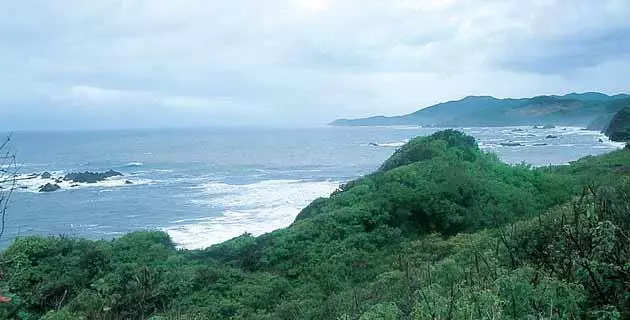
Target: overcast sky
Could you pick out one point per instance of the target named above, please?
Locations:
(148, 63)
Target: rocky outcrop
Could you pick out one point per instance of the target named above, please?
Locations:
(46, 175)
(551, 136)
(49, 187)
(91, 177)
(619, 127)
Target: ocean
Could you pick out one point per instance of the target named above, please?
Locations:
(204, 186)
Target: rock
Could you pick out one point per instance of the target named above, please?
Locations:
(600, 140)
(373, 144)
(49, 187)
(58, 180)
(540, 144)
(511, 144)
(46, 175)
(517, 130)
(91, 177)
(128, 182)
(618, 129)
(23, 187)
(74, 185)
(551, 136)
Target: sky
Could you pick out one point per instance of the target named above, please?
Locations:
(106, 64)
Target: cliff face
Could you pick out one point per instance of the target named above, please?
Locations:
(619, 128)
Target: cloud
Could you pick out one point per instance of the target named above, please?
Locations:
(298, 62)
(88, 96)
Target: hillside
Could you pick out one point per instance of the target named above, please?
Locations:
(570, 110)
(619, 127)
(441, 231)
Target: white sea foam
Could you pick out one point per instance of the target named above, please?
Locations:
(406, 127)
(255, 208)
(32, 182)
(397, 144)
(134, 164)
(612, 144)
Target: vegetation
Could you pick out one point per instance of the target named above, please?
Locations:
(440, 231)
(619, 127)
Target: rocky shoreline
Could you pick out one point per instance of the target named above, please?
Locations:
(75, 178)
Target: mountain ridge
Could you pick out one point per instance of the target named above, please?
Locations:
(576, 109)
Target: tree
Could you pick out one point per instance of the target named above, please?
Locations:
(8, 170)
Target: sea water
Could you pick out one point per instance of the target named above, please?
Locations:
(204, 186)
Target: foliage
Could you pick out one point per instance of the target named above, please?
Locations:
(442, 231)
(619, 127)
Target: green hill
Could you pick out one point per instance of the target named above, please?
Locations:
(441, 231)
(571, 110)
(619, 127)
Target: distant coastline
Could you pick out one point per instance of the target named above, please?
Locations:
(591, 110)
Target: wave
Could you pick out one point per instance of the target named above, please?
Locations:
(389, 144)
(134, 164)
(407, 127)
(33, 181)
(612, 144)
(254, 208)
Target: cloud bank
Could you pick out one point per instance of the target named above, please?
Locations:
(148, 63)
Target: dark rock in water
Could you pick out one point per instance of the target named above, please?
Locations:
(373, 144)
(600, 140)
(58, 180)
(91, 177)
(619, 127)
(128, 182)
(46, 175)
(511, 144)
(49, 187)
(517, 130)
(551, 136)
(74, 185)
(540, 144)
(23, 187)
